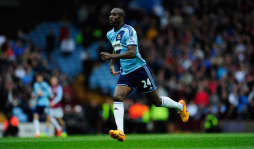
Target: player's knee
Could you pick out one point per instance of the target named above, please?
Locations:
(118, 98)
(48, 118)
(36, 116)
(157, 103)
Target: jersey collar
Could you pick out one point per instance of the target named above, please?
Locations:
(119, 28)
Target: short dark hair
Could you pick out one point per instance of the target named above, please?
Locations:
(120, 11)
(39, 74)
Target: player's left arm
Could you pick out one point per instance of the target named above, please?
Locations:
(131, 53)
(59, 95)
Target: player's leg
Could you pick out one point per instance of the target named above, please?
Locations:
(118, 109)
(146, 84)
(45, 110)
(59, 116)
(164, 101)
(48, 119)
(118, 106)
(36, 124)
(55, 122)
(53, 119)
(62, 124)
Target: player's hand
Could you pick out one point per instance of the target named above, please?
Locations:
(40, 93)
(105, 56)
(33, 96)
(51, 104)
(112, 69)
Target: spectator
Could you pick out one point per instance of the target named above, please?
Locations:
(18, 49)
(233, 100)
(64, 32)
(8, 50)
(67, 46)
(201, 98)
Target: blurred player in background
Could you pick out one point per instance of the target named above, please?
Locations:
(56, 111)
(134, 72)
(42, 93)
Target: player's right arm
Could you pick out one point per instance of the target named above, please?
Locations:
(112, 62)
(59, 95)
(36, 91)
(112, 67)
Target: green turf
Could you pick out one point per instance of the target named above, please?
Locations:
(146, 141)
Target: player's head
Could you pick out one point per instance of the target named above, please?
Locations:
(39, 77)
(53, 80)
(116, 16)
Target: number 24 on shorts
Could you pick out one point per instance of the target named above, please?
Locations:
(146, 83)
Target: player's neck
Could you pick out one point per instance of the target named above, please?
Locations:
(117, 27)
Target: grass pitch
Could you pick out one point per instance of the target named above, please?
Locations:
(144, 141)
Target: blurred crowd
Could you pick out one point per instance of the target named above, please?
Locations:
(20, 61)
(199, 50)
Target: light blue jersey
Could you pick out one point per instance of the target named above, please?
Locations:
(46, 93)
(120, 40)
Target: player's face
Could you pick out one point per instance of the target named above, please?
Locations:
(54, 81)
(114, 18)
(39, 78)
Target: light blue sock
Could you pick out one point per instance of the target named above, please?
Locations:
(46, 130)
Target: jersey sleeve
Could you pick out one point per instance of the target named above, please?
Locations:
(107, 36)
(48, 92)
(59, 95)
(131, 37)
(35, 89)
